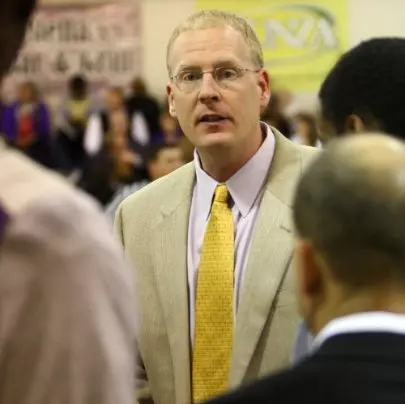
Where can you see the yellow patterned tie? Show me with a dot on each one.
(214, 302)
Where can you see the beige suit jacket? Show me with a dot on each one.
(152, 225)
(66, 298)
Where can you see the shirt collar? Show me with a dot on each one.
(245, 185)
(377, 321)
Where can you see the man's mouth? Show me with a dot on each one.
(212, 118)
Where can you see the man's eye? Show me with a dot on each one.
(227, 74)
(189, 76)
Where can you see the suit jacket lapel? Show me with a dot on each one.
(171, 279)
(269, 256)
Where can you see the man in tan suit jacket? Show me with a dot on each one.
(66, 322)
(160, 225)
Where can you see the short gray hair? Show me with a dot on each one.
(353, 211)
(218, 19)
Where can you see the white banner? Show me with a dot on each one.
(101, 42)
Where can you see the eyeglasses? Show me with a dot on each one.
(191, 80)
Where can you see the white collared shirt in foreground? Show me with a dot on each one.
(372, 322)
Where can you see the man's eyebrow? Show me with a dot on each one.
(220, 63)
(184, 66)
(226, 63)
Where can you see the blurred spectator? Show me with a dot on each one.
(145, 110)
(306, 130)
(72, 123)
(26, 125)
(115, 157)
(161, 160)
(113, 121)
(97, 178)
(274, 116)
(184, 143)
(170, 131)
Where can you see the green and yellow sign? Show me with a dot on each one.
(301, 40)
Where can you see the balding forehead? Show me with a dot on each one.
(373, 148)
(209, 45)
(372, 163)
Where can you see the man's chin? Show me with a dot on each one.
(216, 139)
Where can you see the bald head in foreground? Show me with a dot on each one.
(66, 323)
(349, 215)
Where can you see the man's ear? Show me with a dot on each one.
(354, 124)
(265, 91)
(311, 282)
(170, 98)
(309, 274)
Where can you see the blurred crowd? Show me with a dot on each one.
(111, 150)
(128, 140)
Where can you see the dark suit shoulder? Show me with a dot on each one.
(307, 383)
(347, 369)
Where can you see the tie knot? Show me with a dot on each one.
(221, 194)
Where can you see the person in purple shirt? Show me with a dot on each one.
(26, 125)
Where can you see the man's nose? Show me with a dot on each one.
(209, 90)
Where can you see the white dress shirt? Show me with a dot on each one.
(245, 188)
(377, 321)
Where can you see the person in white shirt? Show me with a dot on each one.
(114, 120)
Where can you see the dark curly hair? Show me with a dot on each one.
(369, 81)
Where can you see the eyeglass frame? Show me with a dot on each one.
(241, 70)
